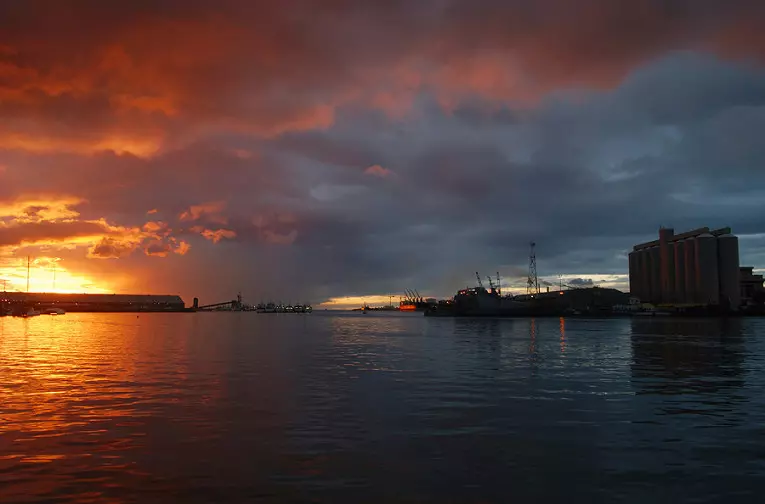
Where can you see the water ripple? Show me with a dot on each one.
(379, 408)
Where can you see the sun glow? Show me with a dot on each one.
(47, 274)
(348, 302)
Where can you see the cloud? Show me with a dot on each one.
(54, 222)
(109, 248)
(581, 126)
(580, 282)
(215, 235)
(159, 248)
(210, 211)
(148, 78)
(378, 171)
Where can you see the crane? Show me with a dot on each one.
(491, 283)
(480, 283)
(499, 285)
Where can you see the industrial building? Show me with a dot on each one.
(699, 267)
(752, 290)
(95, 302)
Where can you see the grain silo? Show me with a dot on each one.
(700, 266)
(690, 270)
(707, 279)
(728, 268)
(644, 260)
(680, 272)
(633, 271)
(667, 261)
(655, 272)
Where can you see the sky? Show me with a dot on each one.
(343, 150)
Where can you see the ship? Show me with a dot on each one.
(413, 301)
(480, 302)
(282, 308)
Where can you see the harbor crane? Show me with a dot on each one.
(480, 283)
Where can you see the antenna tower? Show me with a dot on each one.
(532, 286)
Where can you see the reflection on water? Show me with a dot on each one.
(379, 407)
(680, 356)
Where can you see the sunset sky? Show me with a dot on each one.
(317, 150)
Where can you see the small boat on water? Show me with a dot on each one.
(54, 311)
(280, 308)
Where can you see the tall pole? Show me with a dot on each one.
(54, 277)
(532, 285)
(27, 274)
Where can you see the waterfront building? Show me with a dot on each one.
(698, 267)
(752, 290)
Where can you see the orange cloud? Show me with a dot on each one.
(40, 208)
(215, 235)
(378, 171)
(53, 221)
(140, 79)
(160, 248)
(210, 211)
(143, 147)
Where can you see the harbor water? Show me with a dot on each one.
(380, 407)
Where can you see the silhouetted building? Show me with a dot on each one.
(698, 267)
(752, 291)
(95, 302)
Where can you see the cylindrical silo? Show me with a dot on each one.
(655, 274)
(667, 268)
(707, 279)
(680, 272)
(728, 267)
(691, 293)
(633, 269)
(645, 275)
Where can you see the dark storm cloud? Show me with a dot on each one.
(365, 147)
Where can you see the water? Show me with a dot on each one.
(217, 407)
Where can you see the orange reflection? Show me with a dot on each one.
(533, 334)
(562, 335)
(82, 390)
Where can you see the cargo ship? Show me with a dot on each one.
(413, 301)
(480, 302)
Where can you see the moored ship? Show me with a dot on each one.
(283, 308)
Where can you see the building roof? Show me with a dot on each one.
(682, 236)
(52, 297)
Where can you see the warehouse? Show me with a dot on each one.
(95, 302)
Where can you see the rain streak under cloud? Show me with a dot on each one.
(323, 150)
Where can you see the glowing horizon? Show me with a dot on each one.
(46, 278)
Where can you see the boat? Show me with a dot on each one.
(280, 308)
(480, 302)
(54, 311)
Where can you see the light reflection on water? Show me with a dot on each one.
(377, 408)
